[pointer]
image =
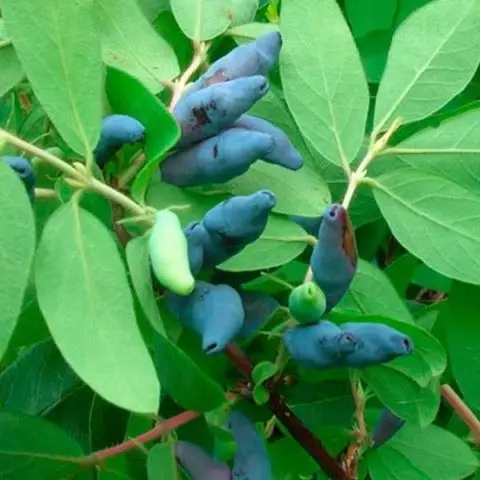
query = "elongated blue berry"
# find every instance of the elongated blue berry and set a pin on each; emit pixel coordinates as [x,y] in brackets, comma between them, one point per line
[258,307]
[334,258]
[217,159]
[283,153]
[387,426]
[254,58]
[234,223]
[207,112]
[251,459]
[117,130]
[25,171]
[215,312]
[321,345]
[377,343]
[199,464]
[310,224]
[196,236]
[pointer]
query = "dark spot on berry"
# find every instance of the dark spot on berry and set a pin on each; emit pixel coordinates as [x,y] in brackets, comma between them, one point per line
[218,77]
[201,116]
[215,150]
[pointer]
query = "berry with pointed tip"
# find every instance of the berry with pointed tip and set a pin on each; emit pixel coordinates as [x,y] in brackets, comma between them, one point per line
[25,171]
[283,153]
[206,113]
[168,251]
[196,236]
[217,159]
[199,464]
[251,459]
[387,426]
[258,307]
[254,58]
[215,312]
[234,223]
[322,345]
[117,130]
[334,258]
[309,224]
[377,343]
[307,303]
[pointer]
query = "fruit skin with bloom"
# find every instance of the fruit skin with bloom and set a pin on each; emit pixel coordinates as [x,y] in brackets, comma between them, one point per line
[334,257]
[214,312]
[307,303]
[258,307]
[24,169]
[168,252]
[217,159]
[116,131]
[387,426]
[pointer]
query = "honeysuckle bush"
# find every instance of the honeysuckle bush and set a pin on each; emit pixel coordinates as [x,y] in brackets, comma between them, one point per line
[99,378]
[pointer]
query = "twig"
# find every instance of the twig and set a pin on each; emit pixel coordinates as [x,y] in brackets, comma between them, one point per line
[153,434]
[462,410]
[131,171]
[292,423]
[46,193]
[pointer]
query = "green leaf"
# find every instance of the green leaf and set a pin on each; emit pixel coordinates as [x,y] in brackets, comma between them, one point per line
[422,453]
[84,295]
[139,268]
[365,16]
[372,293]
[260,394]
[152,8]
[37,381]
[374,49]
[17,247]
[196,390]
[241,11]
[33,448]
[460,317]
[406,8]
[323,78]
[161,463]
[10,66]
[433,218]
[403,396]
[58,46]
[130,43]
[201,19]
[263,371]
[130,97]
[281,242]
[251,31]
[447,61]
[298,193]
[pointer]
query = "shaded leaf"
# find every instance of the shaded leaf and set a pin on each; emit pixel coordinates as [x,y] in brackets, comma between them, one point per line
[161,462]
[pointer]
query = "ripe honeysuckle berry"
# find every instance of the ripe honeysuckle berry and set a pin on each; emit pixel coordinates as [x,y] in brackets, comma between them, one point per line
[386,427]
[258,307]
[247,60]
[377,343]
[234,223]
[116,131]
[334,258]
[251,458]
[217,159]
[168,251]
[199,464]
[206,113]
[25,171]
[215,312]
[307,303]
[283,153]
[322,345]
[310,224]
[196,236]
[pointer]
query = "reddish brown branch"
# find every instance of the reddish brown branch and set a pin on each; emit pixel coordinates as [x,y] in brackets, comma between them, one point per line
[312,445]
[155,433]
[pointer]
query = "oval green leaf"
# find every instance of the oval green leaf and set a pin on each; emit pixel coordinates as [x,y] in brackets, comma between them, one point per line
[161,462]
[84,296]
[10,66]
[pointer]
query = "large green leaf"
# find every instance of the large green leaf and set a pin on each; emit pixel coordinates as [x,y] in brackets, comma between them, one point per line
[281,242]
[140,273]
[58,46]
[403,396]
[241,11]
[130,97]
[17,246]
[435,219]
[366,16]
[298,193]
[195,390]
[37,381]
[201,19]
[419,81]
[161,463]
[33,448]
[130,43]
[460,317]
[416,453]
[371,292]
[12,71]
[323,78]
[84,295]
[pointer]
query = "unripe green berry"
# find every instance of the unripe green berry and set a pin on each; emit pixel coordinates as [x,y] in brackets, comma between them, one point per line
[168,250]
[307,303]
